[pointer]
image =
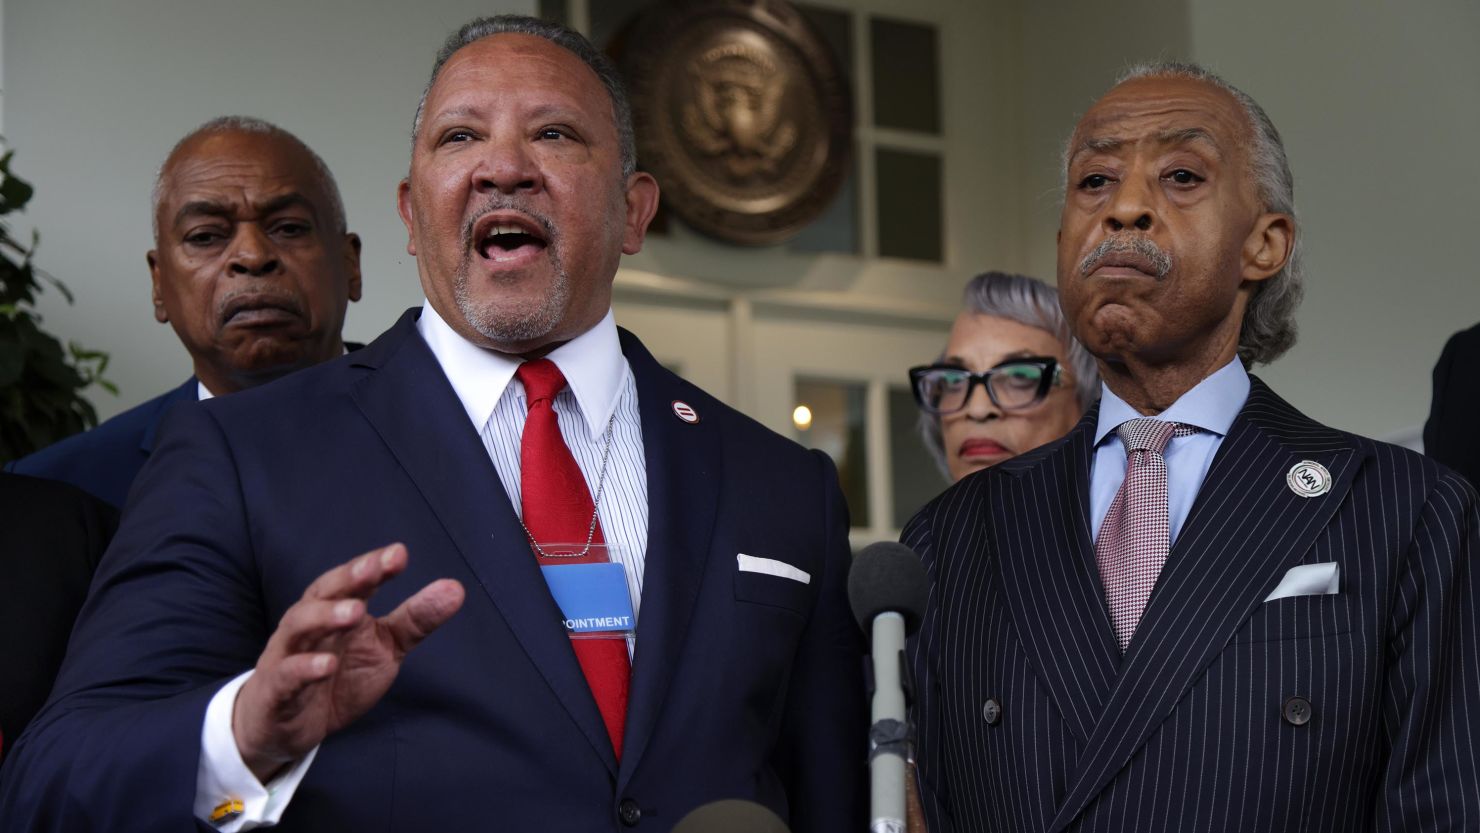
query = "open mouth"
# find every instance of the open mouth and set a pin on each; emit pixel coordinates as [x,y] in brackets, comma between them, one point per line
[505,238]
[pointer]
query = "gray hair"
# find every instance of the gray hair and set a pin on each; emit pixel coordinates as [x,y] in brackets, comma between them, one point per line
[1269,328]
[567,39]
[1030,302]
[323,179]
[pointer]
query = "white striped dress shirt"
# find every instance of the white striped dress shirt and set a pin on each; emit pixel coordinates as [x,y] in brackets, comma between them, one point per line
[599,384]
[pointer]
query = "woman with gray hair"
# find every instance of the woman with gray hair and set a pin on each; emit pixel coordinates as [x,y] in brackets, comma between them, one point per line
[1035,378]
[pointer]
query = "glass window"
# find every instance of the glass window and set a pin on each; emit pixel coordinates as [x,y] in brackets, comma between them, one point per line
[906,75]
[916,477]
[608,17]
[555,11]
[909,208]
[837,229]
[830,416]
[836,29]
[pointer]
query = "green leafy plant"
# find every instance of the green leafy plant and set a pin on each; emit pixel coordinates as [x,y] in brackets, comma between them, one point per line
[41,383]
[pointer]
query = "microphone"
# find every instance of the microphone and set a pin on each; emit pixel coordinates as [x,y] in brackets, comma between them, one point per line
[887,589]
[731,816]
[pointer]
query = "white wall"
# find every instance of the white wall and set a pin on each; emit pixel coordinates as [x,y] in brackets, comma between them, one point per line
[1070,52]
[1379,105]
[98,92]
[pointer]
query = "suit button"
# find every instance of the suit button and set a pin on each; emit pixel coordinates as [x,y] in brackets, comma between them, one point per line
[1297,711]
[629,812]
[992,711]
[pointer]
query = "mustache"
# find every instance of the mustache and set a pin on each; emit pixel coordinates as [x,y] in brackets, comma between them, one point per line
[503,202]
[1140,251]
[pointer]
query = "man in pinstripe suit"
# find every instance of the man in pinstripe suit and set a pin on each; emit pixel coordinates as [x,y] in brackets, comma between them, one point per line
[1302,653]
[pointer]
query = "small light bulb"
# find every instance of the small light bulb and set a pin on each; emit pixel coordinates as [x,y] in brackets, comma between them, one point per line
[801,417]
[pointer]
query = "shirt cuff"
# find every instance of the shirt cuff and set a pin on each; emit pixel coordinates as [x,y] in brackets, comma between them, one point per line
[223,779]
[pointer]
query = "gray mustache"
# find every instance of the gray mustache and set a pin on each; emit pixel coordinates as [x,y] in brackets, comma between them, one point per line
[1154,261]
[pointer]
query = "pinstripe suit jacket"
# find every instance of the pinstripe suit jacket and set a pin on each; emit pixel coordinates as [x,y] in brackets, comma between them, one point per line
[1185,732]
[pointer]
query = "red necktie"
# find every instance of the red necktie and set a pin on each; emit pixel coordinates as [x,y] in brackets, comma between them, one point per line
[1135,536]
[558,509]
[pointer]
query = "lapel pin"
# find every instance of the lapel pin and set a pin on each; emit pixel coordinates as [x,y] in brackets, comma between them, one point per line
[1309,479]
[685,412]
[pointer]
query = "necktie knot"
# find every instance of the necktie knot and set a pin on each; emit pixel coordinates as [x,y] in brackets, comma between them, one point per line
[541,379]
[1147,434]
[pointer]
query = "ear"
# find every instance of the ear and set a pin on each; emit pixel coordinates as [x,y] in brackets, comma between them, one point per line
[1268,247]
[160,314]
[403,207]
[352,264]
[642,204]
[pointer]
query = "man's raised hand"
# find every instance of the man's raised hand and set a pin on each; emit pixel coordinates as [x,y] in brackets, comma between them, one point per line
[329,661]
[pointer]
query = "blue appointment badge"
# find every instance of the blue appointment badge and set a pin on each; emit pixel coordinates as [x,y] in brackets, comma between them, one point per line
[593,599]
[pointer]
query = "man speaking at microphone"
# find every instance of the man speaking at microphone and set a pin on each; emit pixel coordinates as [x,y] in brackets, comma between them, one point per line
[1200,610]
[256,651]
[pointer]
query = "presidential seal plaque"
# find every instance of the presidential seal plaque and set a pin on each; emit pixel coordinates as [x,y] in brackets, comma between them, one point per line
[741,113]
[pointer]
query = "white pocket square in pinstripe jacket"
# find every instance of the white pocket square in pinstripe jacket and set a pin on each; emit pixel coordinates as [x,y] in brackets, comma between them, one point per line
[1309,580]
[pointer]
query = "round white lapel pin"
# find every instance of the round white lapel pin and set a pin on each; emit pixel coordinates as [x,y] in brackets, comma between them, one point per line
[685,412]
[1309,479]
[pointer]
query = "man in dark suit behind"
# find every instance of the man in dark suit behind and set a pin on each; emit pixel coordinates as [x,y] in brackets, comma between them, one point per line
[1200,610]
[253,268]
[253,649]
[51,537]
[1452,433]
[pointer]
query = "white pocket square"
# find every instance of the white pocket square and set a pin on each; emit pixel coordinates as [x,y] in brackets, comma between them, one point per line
[771,567]
[1309,580]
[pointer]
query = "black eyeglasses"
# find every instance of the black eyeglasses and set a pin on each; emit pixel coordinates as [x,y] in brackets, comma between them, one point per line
[1013,385]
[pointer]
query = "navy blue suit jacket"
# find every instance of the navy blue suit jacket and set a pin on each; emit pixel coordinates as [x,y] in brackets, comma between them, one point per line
[1194,728]
[1452,433]
[105,460]
[744,685]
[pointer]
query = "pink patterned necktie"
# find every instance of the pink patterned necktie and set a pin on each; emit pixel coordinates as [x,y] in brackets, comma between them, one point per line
[1135,536]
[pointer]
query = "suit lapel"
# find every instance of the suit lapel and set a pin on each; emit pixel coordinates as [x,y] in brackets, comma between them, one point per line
[412,406]
[1245,529]
[683,473]
[1049,577]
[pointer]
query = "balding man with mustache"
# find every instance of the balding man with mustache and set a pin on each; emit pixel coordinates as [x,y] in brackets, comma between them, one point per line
[253,267]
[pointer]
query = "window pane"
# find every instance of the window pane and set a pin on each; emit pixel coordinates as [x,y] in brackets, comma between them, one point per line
[906,75]
[916,477]
[837,229]
[909,209]
[609,16]
[836,29]
[834,423]
[555,11]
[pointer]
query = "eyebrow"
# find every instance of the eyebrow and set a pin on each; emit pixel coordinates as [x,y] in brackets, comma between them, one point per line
[210,208]
[1179,136]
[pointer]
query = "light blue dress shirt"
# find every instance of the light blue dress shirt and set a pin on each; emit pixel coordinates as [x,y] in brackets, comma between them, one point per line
[1210,406]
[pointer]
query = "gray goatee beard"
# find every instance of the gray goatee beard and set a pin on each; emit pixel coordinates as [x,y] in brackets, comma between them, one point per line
[499,320]
[1159,261]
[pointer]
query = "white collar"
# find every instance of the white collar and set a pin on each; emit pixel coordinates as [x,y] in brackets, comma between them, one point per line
[592,363]
[1211,405]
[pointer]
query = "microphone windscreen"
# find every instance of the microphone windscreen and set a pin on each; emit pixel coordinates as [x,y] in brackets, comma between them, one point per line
[887,576]
[731,816]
